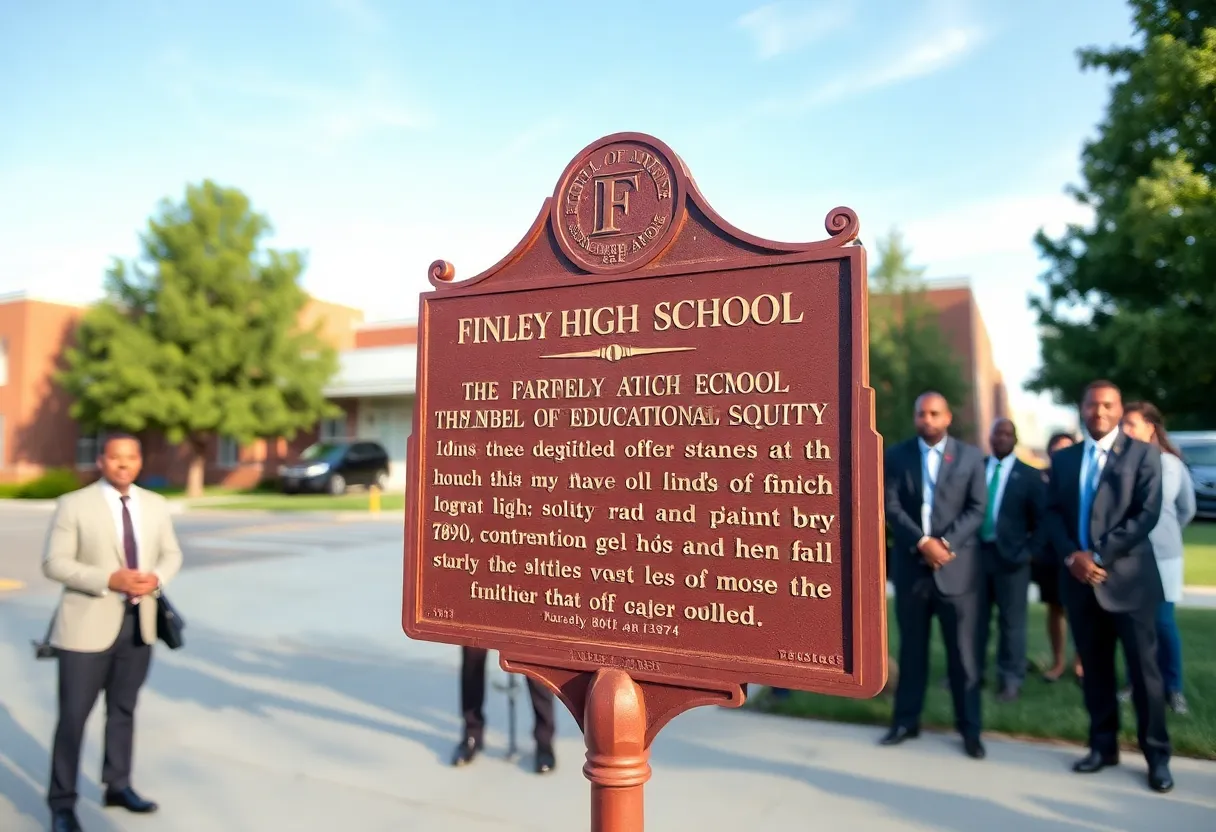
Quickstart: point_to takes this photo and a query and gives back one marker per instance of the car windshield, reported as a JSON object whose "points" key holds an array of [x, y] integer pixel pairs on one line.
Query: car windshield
{"points": [[322, 452], [1204, 454]]}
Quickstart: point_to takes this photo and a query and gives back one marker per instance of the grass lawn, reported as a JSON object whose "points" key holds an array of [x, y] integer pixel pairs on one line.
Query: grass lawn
{"points": [[1200, 559], [355, 501], [1045, 711]]}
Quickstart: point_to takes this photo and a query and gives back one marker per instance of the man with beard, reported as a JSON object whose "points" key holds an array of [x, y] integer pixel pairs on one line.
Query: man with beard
{"points": [[935, 498], [1104, 497]]}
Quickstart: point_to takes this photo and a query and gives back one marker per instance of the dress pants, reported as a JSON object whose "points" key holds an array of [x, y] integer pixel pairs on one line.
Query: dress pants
{"points": [[1008, 589], [473, 697], [916, 604], [1169, 648], [1097, 632], [120, 671]]}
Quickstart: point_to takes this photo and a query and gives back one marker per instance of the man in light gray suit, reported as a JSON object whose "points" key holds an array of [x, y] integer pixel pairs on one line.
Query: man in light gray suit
{"points": [[113, 548]]}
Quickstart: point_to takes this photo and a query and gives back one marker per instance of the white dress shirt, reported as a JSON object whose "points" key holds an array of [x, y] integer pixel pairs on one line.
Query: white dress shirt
{"points": [[114, 501], [931, 463], [1101, 447]]}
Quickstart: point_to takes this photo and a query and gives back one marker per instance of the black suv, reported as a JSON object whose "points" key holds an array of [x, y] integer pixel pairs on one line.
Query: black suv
{"points": [[333, 466]]}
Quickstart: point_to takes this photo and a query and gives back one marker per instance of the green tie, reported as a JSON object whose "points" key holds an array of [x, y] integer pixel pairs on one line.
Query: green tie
{"points": [[988, 530]]}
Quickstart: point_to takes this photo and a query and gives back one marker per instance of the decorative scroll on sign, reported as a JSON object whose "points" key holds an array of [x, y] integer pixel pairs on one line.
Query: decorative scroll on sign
{"points": [[645, 440]]}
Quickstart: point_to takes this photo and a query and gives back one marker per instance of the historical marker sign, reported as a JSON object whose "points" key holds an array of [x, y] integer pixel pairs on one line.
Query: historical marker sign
{"points": [[645, 440]]}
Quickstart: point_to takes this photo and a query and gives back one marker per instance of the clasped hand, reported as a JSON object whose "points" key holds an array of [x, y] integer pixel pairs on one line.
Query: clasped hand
{"points": [[133, 582], [1084, 569], [935, 553]]}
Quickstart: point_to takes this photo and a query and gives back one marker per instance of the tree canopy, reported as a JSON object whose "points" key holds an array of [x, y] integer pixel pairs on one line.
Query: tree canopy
{"points": [[908, 353], [1132, 297], [202, 338]]}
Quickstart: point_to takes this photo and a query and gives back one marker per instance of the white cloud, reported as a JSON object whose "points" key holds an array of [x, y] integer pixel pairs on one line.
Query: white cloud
{"points": [[249, 105], [931, 36], [945, 48], [997, 225], [918, 57], [779, 28]]}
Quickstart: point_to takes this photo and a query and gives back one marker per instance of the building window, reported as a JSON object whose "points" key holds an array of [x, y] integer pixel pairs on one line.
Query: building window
{"points": [[228, 454], [3, 364], [332, 429], [87, 450]]}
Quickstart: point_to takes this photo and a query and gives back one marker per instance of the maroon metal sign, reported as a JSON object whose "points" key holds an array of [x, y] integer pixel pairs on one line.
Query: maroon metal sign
{"points": [[645, 440]]}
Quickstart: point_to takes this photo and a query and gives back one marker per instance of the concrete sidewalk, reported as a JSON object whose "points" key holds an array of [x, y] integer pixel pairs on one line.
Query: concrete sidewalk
{"points": [[299, 705]]}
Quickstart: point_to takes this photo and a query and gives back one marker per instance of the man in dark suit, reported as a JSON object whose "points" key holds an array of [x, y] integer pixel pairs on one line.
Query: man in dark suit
{"points": [[472, 701], [1010, 536], [935, 496], [1104, 497]]}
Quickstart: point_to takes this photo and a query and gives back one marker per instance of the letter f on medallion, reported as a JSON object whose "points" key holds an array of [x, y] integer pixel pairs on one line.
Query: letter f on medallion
{"points": [[612, 192]]}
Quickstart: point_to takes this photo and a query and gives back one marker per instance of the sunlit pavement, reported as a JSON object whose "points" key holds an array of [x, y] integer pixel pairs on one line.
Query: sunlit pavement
{"points": [[297, 704]]}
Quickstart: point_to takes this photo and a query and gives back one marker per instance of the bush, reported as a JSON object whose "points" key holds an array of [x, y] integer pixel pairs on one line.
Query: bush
{"points": [[54, 482]]}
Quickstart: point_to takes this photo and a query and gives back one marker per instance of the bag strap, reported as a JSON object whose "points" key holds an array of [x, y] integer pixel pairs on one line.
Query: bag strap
{"points": [[50, 626]]}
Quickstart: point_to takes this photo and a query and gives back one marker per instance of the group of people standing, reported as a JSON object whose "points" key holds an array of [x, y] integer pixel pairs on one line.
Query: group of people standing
{"points": [[1100, 532]]}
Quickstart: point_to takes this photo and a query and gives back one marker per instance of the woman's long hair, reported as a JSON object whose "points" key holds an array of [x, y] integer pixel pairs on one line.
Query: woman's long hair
{"points": [[1149, 413]]}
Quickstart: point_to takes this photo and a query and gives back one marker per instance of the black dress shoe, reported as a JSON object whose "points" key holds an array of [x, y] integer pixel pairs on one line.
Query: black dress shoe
{"points": [[974, 748], [1094, 762], [64, 820], [466, 752], [899, 734], [1159, 779], [545, 761], [129, 800]]}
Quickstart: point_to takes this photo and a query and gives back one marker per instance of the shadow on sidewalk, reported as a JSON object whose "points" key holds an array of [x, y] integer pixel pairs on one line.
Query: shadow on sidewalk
{"points": [[422, 694], [952, 808], [24, 768]]}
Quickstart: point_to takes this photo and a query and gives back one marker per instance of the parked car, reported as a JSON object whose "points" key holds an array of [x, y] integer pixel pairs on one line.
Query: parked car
{"points": [[1199, 452], [331, 467]]}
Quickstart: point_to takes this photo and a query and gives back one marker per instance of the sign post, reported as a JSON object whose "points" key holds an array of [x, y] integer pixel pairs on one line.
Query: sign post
{"points": [[644, 465]]}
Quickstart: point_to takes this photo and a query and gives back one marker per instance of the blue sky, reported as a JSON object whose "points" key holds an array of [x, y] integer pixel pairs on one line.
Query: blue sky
{"points": [[380, 136]]}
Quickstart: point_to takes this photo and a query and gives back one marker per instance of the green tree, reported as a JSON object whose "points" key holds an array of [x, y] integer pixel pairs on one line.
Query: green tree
{"points": [[1132, 297], [201, 339], [908, 353]]}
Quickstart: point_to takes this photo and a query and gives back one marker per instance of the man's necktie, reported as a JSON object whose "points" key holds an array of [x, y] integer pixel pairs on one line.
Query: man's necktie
{"points": [[988, 530], [128, 536], [1089, 487]]}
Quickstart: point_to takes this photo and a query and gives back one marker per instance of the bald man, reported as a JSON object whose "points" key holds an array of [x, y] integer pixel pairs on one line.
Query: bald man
{"points": [[1010, 536], [935, 499]]}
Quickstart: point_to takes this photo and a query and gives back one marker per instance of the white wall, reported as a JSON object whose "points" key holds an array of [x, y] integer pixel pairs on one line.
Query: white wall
{"points": [[388, 420]]}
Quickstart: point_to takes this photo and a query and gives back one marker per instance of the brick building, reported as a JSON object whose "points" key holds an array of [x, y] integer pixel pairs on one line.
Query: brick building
{"points": [[36, 431], [374, 386], [960, 321]]}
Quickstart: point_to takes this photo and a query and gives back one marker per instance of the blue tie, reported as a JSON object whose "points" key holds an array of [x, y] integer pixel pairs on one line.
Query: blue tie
{"points": [[1089, 487]]}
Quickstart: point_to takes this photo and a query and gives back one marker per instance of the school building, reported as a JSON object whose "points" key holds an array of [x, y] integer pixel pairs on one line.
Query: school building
{"points": [[374, 386]]}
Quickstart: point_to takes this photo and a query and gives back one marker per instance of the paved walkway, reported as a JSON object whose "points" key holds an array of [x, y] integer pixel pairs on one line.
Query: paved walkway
{"points": [[298, 705]]}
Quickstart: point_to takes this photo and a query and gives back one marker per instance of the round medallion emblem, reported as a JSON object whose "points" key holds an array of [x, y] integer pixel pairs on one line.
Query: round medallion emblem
{"points": [[617, 204]]}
